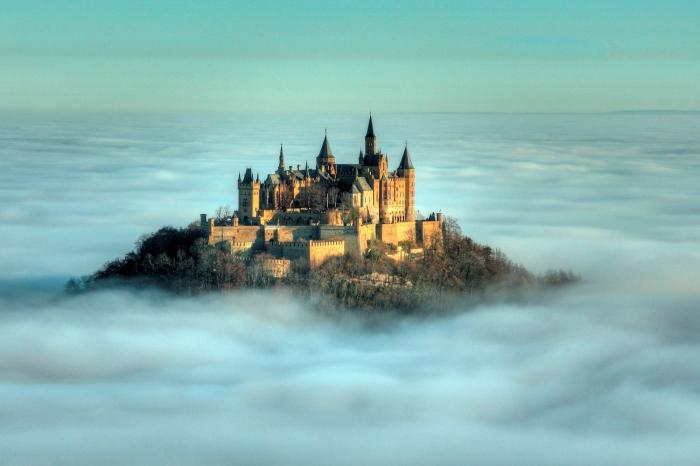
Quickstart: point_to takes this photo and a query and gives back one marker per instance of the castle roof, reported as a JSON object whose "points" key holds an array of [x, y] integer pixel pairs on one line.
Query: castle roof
{"points": [[325, 148], [362, 184], [272, 178], [248, 177], [347, 169], [370, 128], [406, 163]]}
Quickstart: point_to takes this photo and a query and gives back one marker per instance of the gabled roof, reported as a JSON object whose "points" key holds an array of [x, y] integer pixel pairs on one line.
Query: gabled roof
{"points": [[406, 163], [362, 184]]}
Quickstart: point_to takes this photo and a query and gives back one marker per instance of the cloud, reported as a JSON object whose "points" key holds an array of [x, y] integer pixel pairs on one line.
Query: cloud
{"points": [[153, 379], [606, 373]]}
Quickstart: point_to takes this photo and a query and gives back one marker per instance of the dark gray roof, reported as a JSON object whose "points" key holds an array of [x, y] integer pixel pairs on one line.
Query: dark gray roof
{"points": [[406, 163], [272, 178], [325, 148], [346, 169], [362, 184], [248, 177], [370, 128]]}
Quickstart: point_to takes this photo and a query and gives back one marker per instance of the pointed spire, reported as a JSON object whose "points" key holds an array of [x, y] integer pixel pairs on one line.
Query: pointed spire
{"points": [[325, 148], [281, 164], [306, 171], [370, 128], [362, 158], [257, 177], [406, 163], [239, 177]]}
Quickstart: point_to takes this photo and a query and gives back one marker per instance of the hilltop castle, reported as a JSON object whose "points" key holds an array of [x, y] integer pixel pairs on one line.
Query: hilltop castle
{"points": [[331, 210]]}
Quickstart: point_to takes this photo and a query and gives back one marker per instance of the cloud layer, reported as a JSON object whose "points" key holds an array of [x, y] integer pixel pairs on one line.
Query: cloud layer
{"points": [[141, 378], [604, 373]]}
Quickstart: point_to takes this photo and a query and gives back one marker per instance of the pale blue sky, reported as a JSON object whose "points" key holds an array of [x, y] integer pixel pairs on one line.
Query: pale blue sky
{"points": [[348, 56]]}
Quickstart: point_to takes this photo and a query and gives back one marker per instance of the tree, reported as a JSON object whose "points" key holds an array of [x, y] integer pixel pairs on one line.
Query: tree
{"points": [[222, 213], [313, 197], [332, 197], [286, 198]]}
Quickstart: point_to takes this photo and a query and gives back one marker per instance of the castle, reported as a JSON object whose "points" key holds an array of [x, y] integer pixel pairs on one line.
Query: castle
{"points": [[312, 214]]}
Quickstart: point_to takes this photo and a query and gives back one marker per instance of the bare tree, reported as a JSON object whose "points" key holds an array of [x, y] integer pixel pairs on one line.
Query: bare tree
{"points": [[286, 198], [332, 196], [222, 213]]}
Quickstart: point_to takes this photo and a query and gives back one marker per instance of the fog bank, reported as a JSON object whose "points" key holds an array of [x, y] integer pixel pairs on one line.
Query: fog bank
{"points": [[250, 379], [603, 373]]}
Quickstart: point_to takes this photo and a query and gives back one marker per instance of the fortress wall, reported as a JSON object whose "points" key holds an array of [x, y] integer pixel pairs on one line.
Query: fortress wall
{"points": [[365, 233], [349, 234], [394, 233], [294, 218], [240, 246], [320, 250], [243, 233], [296, 233], [278, 268], [294, 250], [429, 231]]}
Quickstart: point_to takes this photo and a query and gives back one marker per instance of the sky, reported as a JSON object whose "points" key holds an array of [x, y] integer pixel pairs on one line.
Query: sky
{"points": [[349, 56]]}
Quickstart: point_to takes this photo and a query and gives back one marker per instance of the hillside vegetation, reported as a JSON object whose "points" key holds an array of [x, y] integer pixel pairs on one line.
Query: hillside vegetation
{"points": [[456, 269]]}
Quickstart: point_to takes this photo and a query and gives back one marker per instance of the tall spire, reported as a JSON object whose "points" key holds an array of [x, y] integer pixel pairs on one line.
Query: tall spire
{"points": [[370, 128], [281, 164], [362, 158], [370, 139], [406, 163]]}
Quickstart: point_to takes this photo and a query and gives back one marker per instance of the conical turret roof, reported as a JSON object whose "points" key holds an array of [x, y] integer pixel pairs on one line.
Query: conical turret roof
{"points": [[406, 163], [325, 148]]}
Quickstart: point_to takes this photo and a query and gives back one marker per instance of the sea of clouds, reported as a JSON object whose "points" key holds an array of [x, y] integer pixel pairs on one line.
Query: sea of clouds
{"points": [[607, 372]]}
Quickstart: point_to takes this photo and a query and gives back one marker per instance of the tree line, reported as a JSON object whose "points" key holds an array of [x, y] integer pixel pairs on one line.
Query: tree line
{"points": [[452, 270]]}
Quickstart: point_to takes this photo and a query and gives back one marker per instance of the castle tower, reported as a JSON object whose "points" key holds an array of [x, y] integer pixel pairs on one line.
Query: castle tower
{"points": [[370, 139], [407, 171], [326, 160], [280, 166], [248, 197]]}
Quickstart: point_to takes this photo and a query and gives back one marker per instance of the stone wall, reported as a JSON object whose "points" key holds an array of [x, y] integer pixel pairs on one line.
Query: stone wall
{"points": [[242, 234], [365, 233], [428, 231], [277, 268], [339, 232], [295, 233], [394, 233], [320, 250], [295, 250]]}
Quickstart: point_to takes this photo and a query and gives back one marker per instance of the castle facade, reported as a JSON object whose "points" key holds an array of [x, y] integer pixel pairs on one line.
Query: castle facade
{"points": [[332, 209]]}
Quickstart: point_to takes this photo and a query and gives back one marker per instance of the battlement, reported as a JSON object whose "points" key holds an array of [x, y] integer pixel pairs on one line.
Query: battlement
{"points": [[293, 244], [278, 268], [320, 243]]}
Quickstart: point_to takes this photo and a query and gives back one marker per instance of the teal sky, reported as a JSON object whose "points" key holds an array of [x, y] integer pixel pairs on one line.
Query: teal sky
{"points": [[349, 56]]}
